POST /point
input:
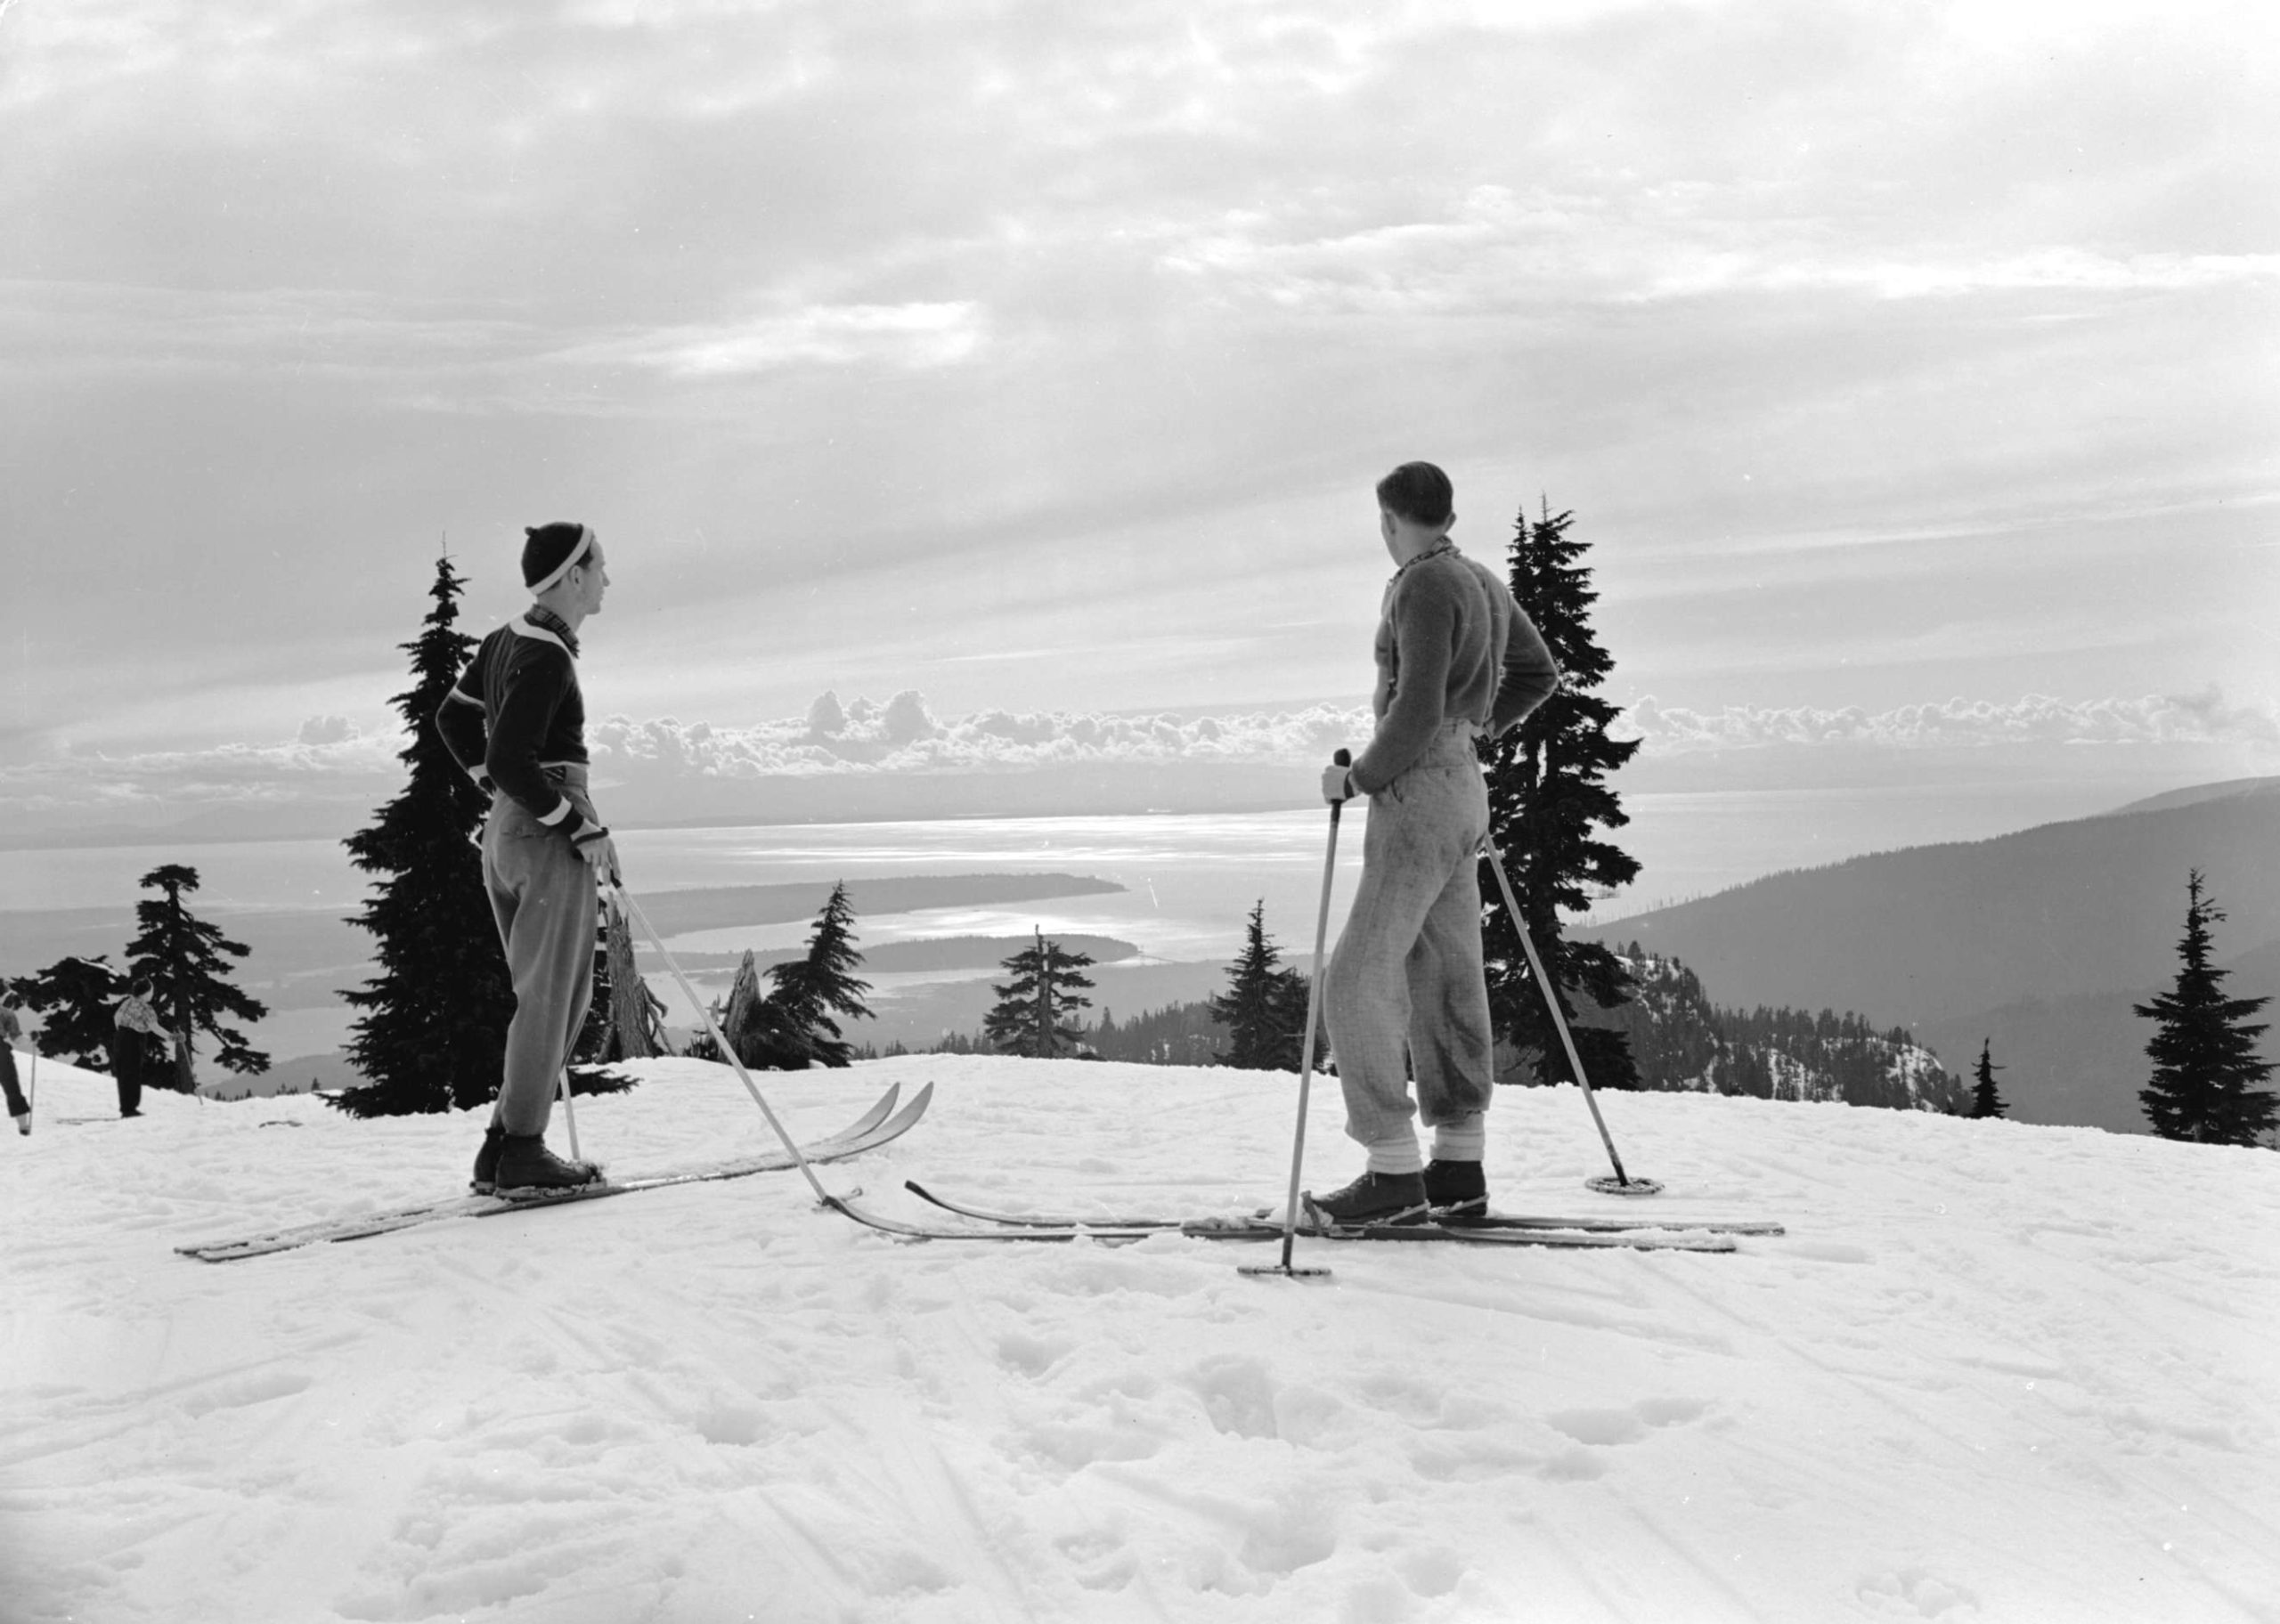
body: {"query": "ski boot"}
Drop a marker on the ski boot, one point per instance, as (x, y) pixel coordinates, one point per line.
(1374, 1197)
(1457, 1192)
(528, 1171)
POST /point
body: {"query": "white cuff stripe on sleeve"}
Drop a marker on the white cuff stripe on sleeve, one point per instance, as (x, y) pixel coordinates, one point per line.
(562, 809)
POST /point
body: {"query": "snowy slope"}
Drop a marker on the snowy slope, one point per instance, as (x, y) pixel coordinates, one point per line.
(1992, 1373)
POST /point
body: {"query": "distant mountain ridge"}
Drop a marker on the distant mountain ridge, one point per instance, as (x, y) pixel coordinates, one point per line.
(2037, 941)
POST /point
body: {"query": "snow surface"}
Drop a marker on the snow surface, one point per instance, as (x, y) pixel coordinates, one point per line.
(1992, 1372)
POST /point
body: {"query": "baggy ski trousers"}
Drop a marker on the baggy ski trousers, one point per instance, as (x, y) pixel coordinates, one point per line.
(542, 896)
(1406, 989)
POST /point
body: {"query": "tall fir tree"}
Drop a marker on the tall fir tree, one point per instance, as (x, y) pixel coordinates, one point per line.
(433, 1035)
(75, 999)
(1548, 797)
(1985, 1101)
(1265, 1006)
(810, 991)
(1031, 1015)
(188, 960)
(2206, 1069)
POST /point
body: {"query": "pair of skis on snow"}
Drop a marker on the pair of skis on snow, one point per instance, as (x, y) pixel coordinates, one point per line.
(883, 1123)
(1495, 1230)
(879, 1125)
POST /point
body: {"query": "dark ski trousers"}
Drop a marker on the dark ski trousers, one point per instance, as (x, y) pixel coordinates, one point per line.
(542, 896)
(8, 1084)
(127, 1051)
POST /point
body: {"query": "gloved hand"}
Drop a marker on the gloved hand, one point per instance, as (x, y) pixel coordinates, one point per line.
(1338, 784)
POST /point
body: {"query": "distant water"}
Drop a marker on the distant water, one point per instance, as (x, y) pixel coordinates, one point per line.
(1189, 881)
(1192, 867)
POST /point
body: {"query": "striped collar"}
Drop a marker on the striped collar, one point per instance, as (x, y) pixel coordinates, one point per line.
(1443, 548)
(540, 621)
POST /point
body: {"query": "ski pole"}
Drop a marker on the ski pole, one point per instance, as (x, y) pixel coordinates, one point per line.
(791, 1145)
(569, 1115)
(1306, 1057)
(1623, 1183)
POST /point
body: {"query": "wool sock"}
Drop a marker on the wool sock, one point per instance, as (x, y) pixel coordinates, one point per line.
(1463, 1141)
(1397, 1153)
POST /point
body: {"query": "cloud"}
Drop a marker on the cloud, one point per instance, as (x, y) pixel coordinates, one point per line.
(912, 335)
(2190, 719)
(2059, 269)
(326, 730)
(902, 736)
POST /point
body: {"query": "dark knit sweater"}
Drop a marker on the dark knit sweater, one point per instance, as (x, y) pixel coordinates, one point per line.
(516, 710)
(1452, 645)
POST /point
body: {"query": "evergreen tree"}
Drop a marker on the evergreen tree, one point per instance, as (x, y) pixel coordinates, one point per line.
(1031, 1009)
(1984, 1100)
(810, 991)
(1264, 1008)
(1547, 794)
(433, 1036)
(2205, 1066)
(75, 999)
(188, 960)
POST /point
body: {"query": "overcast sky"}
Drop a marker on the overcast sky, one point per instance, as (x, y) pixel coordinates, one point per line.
(1041, 356)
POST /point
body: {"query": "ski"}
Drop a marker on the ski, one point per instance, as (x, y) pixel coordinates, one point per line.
(1257, 1229)
(877, 1126)
(1493, 1221)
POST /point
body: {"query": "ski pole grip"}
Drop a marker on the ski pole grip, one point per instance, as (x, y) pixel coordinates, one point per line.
(1344, 758)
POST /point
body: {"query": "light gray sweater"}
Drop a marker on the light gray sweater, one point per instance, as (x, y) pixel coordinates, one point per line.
(1452, 645)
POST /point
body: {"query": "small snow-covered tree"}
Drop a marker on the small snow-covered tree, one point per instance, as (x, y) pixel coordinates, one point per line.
(809, 991)
(1265, 1006)
(188, 960)
(1984, 1100)
(1032, 1012)
(74, 998)
(2206, 1069)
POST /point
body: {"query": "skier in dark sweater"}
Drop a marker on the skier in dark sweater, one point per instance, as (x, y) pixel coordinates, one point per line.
(138, 1044)
(1406, 992)
(12, 1033)
(517, 721)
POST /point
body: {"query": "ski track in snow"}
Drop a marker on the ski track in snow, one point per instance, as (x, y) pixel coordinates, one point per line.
(1992, 1373)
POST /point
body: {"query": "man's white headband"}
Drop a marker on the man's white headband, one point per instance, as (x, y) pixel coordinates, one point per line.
(585, 544)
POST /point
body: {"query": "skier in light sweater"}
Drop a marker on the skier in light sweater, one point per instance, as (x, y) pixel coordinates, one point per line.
(1406, 990)
(516, 721)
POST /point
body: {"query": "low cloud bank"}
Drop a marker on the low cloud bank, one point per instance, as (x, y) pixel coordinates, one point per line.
(331, 761)
(2172, 719)
(902, 736)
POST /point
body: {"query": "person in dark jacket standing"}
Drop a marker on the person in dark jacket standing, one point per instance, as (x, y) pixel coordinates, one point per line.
(12, 1033)
(1406, 992)
(138, 1042)
(516, 721)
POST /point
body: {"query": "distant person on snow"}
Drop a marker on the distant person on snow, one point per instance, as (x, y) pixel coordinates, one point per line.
(12, 1033)
(1406, 989)
(138, 1043)
(517, 721)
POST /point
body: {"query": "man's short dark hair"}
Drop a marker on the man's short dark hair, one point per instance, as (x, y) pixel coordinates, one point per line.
(1417, 491)
(143, 986)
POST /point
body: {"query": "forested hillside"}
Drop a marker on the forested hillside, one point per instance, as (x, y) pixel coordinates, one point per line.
(1682, 1042)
